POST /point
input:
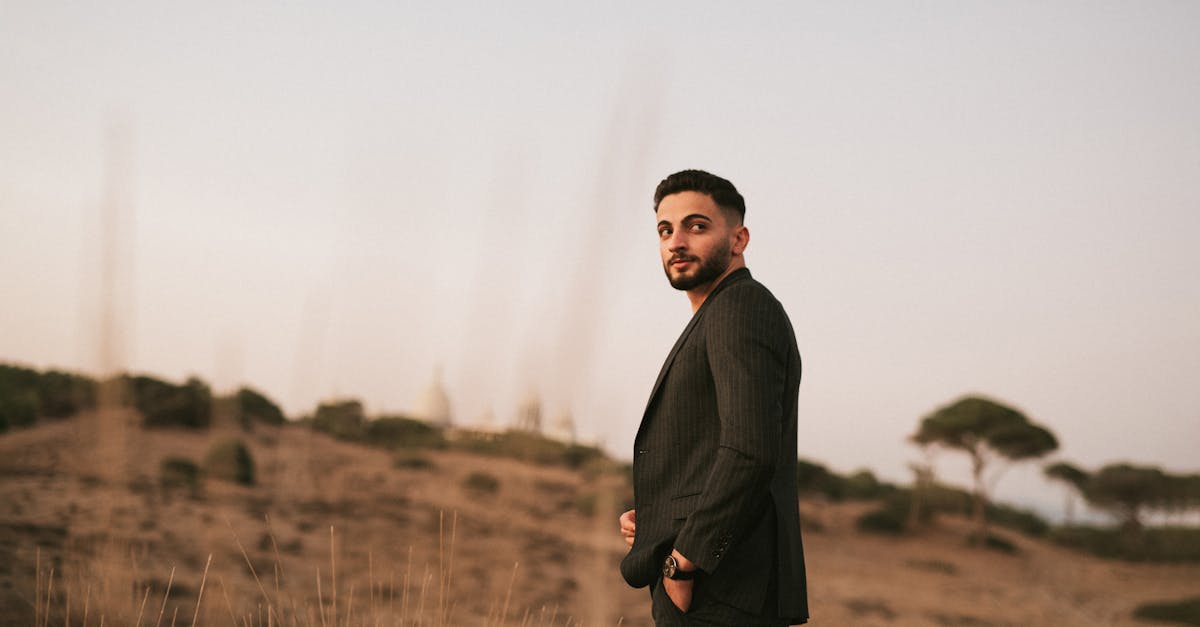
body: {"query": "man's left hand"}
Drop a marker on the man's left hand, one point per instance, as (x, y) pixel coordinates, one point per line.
(680, 592)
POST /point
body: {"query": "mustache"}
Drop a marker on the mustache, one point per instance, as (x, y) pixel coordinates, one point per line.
(675, 258)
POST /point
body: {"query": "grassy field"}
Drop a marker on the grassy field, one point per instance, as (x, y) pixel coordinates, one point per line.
(334, 533)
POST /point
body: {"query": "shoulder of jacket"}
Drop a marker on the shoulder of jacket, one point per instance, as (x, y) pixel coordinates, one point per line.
(746, 297)
(745, 290)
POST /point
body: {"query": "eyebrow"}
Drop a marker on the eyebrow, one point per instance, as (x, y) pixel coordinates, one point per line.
(688, 218)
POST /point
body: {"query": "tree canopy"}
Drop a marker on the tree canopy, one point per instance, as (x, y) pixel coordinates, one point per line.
(1128, 490)
(986, 431)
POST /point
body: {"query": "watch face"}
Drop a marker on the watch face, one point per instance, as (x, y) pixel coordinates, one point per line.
(669, 567)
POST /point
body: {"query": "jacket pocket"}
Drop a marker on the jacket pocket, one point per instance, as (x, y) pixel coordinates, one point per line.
(680, 507)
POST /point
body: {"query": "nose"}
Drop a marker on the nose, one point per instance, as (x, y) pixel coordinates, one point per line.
(677, 241)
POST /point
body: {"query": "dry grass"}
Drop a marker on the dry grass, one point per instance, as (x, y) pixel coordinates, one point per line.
(336, 534)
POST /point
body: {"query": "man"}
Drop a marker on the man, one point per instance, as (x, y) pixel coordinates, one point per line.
(715, 528)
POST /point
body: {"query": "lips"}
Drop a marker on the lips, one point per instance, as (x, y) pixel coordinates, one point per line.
(681, 261)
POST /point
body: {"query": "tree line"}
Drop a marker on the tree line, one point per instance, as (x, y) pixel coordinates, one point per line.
(28, 396)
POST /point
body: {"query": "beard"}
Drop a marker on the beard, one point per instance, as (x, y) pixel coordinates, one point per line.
(709, 269)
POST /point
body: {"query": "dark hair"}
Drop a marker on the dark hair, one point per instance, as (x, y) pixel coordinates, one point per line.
(720, 190)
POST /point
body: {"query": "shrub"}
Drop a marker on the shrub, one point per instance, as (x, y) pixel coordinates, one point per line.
(230, 460)
(62, 394)
(586, 503)
(342, 419)
(999, 543)
(163, 404)
(946, 499)
(1185, 612)
(577, 456)
(179, 472)
(414, 462)
(535, 448)
(481, 483)
(862, 485)
(1152, 544)
(893, 514)
(883, 520)
(1017, 519)
(814, 478)
(396, 432)
(18, 397)
(254, 407)
(26, 395)
(18, 408)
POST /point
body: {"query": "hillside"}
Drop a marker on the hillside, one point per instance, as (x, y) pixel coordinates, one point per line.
(420, 538)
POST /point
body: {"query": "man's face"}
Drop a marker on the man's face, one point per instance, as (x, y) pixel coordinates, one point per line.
(695, 238)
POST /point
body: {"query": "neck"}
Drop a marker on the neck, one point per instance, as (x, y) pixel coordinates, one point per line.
(697, 295)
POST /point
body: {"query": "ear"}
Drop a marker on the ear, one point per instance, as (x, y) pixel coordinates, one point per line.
(741, 239)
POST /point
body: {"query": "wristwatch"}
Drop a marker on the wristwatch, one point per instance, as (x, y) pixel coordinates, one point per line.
(671, 570)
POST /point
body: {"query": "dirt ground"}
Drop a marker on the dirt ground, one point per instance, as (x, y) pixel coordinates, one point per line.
(336, 529)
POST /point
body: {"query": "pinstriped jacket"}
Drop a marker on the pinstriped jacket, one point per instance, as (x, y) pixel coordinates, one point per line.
(714, 467)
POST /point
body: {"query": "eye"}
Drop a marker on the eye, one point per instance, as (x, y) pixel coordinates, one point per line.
(663, 232)
(697, 227)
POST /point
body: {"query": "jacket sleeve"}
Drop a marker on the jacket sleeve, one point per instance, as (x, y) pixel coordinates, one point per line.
(747, 355)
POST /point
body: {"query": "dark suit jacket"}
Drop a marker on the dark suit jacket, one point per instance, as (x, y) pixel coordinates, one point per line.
(714, 467)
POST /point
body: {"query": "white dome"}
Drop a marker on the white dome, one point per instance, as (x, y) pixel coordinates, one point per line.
(434, 405)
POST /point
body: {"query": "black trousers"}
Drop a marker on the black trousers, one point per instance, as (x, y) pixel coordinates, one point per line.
(705, 611)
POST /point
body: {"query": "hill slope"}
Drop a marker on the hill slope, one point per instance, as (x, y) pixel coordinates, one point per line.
(421, 540)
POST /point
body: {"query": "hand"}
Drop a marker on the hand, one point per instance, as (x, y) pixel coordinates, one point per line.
(627, 526)
(680, 592)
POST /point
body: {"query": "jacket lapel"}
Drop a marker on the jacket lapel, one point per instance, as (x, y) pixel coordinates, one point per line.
(733, 277)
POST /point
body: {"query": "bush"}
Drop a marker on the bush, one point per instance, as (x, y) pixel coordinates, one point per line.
(883, 520)
(254, 407)
(414, 462)
(531, 447)
(395, 432)
(179, 472)
(1017, 519)
(586, 503)
(944, 499)
(18, 408)
(481, 483)
(62, 394)
(26, 395)
(230, 460)
(577, 456)
(18, 397)
(343, 419)
(862, 485)
(1185, 612)
(814, 478)
(892, 516)
(1153, 544)
(163, 404)
(999, 543)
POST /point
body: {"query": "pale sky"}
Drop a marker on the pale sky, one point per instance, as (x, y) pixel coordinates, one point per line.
(335, 200)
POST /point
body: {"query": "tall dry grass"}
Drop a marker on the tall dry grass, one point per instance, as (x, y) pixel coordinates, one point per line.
(86, 535)
(113, 589)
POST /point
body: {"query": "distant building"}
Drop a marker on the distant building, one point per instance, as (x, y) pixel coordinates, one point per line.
(529, 414)
(563, 428)
(487, 421)
(434, 404)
